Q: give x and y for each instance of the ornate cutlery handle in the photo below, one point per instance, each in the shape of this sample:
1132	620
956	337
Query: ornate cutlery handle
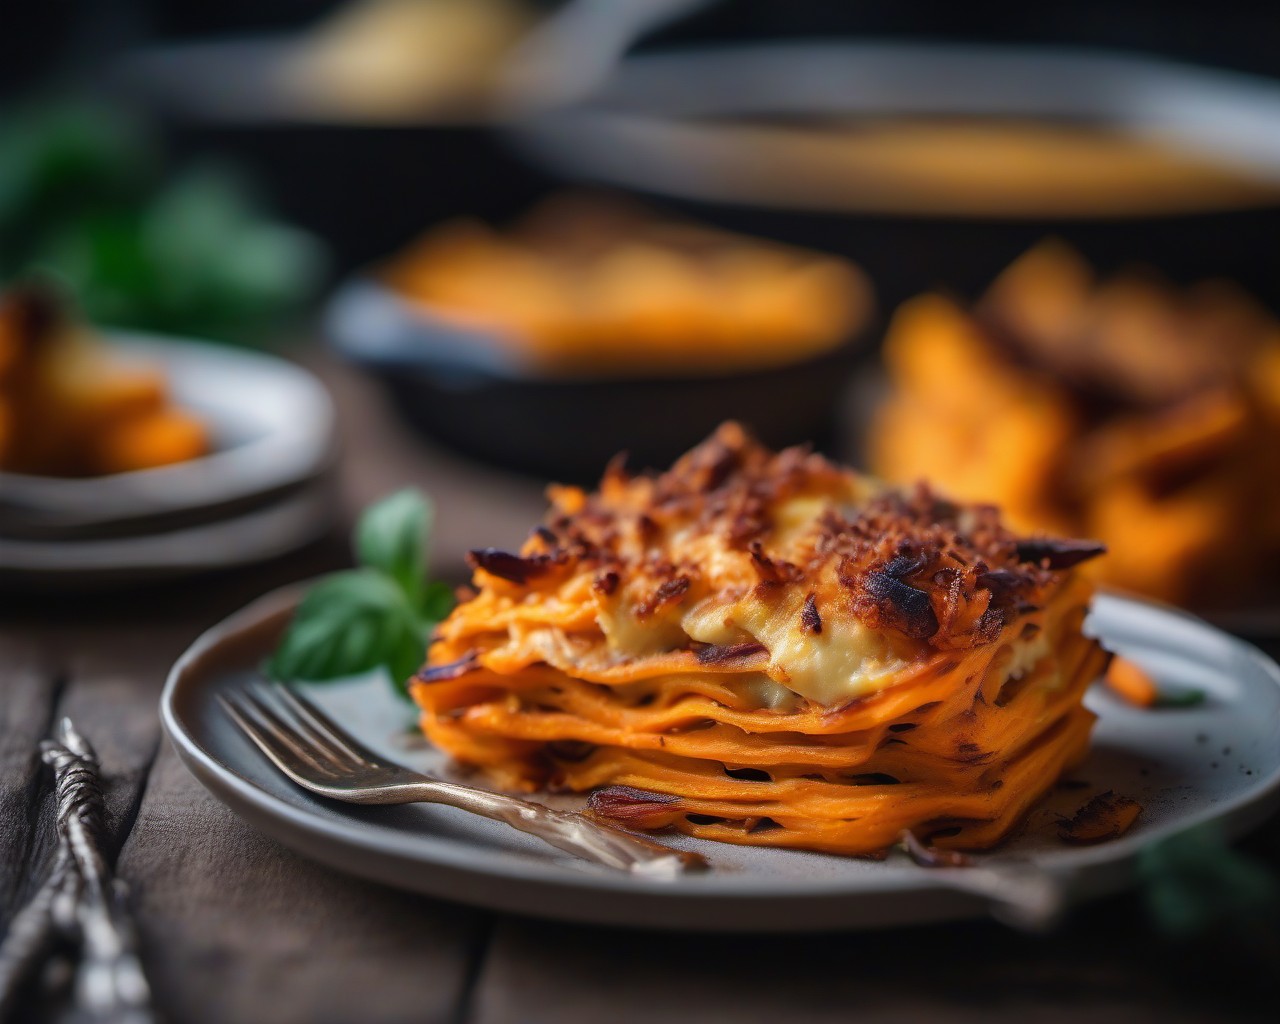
79	906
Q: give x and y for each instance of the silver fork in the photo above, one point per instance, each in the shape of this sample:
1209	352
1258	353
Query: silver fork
311	750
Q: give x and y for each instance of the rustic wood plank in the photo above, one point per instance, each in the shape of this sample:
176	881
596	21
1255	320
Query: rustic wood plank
1104	966
237	928
30	686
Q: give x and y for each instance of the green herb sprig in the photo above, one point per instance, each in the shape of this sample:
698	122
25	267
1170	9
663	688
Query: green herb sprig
379	615
1195	881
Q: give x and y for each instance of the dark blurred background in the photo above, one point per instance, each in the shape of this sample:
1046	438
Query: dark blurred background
76	46
59	36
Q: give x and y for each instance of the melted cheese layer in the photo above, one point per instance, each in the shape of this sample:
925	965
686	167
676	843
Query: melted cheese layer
843	661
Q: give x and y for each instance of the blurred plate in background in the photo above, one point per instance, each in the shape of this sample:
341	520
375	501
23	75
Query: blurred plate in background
241	540
273	431
459	386
934	164
265	490
365	184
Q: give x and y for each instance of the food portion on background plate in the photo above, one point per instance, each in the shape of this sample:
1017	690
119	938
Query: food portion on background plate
1121	407
391	59
507	344
72	407
128	457
768	649
593	287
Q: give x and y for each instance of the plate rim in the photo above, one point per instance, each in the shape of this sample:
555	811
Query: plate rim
1090	871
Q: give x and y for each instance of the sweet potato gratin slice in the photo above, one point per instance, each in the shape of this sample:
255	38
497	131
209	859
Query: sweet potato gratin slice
769	649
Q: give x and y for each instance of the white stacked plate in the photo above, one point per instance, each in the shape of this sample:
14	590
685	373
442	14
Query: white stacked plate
263	491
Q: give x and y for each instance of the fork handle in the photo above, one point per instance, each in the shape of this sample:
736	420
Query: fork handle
566	830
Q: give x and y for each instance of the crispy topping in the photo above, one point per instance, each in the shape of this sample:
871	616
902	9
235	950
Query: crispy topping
896	603
771	571
667	593
606	583
733	518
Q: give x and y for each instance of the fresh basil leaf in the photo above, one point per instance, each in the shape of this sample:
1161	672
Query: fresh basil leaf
437	601
1181	699
349	623
392	537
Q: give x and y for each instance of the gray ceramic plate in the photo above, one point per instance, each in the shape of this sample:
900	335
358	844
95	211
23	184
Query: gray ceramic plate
1218	761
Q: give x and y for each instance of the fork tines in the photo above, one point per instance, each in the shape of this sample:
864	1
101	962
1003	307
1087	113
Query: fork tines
293	732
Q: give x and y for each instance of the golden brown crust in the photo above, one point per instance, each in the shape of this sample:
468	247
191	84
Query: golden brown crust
903	562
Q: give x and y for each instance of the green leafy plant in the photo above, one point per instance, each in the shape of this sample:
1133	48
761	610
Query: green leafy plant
379	615
86	198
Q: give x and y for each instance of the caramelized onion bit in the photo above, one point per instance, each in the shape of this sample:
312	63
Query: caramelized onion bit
639	807
1053	553
449	670
606	583
505	565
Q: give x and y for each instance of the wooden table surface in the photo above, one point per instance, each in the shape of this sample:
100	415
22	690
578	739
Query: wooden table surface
235	928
